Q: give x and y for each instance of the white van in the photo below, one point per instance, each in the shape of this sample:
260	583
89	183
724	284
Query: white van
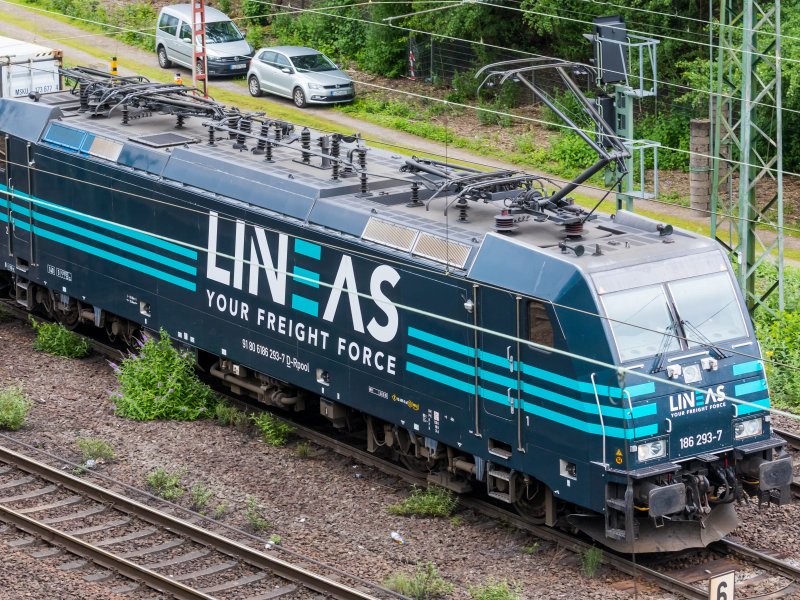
227	52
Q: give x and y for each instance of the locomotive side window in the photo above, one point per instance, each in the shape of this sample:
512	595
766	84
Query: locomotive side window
540	327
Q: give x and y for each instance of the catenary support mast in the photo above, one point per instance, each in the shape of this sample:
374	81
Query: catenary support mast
747	211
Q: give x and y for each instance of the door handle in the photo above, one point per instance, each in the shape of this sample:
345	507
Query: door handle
510	358
510	400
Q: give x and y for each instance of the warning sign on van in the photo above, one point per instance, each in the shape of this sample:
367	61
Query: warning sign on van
27	69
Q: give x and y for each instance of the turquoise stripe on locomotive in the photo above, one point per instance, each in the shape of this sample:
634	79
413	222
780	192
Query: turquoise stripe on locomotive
456	338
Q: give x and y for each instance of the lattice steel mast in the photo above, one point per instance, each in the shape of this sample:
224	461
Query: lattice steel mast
747	215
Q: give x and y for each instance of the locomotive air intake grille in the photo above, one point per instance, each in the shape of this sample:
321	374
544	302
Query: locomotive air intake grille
389	234
442	250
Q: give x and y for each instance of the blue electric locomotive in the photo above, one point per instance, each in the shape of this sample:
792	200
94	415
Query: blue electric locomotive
451	308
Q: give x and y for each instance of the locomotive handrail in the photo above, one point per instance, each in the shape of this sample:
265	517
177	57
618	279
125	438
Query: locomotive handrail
602	423
630	408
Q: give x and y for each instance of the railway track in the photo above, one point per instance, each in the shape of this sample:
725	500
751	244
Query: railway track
676	584
117	536
793	440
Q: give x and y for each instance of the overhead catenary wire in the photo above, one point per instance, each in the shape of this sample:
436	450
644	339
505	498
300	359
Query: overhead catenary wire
324	9
362	254
587	186
622	372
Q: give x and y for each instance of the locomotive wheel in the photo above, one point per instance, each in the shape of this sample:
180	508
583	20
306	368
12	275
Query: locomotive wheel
532	508
415	464
71	318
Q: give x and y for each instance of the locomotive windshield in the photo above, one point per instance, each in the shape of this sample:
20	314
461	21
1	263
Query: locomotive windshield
658	319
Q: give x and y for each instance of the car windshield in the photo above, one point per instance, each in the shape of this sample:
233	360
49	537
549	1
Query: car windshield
313	62
643	326
222	32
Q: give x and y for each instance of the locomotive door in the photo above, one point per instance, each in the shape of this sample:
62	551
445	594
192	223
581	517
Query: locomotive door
4	189
499	379
20	186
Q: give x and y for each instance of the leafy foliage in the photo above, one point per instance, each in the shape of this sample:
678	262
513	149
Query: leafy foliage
14	407
424	584
430	502
160	383
273	431
54	338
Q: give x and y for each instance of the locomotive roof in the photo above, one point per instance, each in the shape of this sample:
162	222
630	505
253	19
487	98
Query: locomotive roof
430	230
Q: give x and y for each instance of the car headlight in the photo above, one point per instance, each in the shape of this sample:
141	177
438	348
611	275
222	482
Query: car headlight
651	450
749	428
314	86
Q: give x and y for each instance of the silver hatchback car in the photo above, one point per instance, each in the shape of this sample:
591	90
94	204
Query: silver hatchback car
302	74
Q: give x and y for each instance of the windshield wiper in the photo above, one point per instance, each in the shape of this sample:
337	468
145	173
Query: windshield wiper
669	335
703	339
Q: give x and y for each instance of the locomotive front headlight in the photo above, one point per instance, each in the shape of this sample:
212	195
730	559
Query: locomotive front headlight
749	428
651	450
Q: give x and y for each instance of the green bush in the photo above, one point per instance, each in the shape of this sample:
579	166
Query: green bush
430	502
54	338
166	484
495	590
14	407
385	48
424	584
94	449
160	383
137	20
273	431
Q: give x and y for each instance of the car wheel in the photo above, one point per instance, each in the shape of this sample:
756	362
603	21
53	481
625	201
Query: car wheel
163	61
299	98
199	69
254	86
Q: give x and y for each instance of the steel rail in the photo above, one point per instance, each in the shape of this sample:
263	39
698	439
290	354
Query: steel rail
561	538
101	557
761	558
244	553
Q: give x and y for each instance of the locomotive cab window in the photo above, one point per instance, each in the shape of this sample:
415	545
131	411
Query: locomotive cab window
540	327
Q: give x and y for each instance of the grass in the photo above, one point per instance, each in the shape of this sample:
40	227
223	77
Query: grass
591	559
304	450
14	407
253	515
272	429
229	416
220	510
430	502
95	449
424	584
495	590
200	495
166	484
55	339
